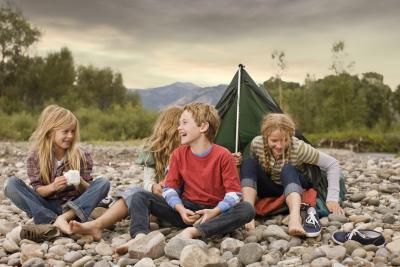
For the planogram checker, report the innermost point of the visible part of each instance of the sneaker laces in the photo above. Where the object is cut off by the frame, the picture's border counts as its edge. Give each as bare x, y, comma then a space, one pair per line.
311, 219
355, 232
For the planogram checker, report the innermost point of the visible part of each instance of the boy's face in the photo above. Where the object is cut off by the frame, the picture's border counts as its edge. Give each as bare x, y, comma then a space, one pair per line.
188, 129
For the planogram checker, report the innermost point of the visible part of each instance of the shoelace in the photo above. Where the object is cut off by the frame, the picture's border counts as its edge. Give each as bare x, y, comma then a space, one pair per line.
354, 232
312, 220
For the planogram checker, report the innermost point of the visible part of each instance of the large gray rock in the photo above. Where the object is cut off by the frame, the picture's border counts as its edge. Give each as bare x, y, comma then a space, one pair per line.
103, 249
175, 246
232, 245
394, 246
250, 253
72, 256
275, 231
29, 251
195, 256
145, 262
336, 252
150, 246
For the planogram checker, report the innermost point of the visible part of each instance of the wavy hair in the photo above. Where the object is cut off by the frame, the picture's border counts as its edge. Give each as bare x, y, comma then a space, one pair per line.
271, 123
164, 139
52, 119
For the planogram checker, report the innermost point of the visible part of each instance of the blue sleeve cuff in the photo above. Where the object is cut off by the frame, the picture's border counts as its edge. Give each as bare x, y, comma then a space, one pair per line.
172, 197
229, 201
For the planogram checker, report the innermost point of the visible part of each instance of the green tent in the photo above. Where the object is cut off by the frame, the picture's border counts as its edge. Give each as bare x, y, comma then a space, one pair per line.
241, 123
254, 102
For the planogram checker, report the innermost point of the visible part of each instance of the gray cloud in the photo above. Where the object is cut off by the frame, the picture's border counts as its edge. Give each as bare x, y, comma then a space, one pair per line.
148, 36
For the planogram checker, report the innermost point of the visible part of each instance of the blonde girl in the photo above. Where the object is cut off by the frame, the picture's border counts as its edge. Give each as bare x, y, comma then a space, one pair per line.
155, 158
54, 151
276, 167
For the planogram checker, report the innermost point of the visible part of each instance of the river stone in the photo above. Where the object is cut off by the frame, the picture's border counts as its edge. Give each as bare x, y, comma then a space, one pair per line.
388, 218
250, 253
82, 261
280, 245
321, 262
394, 246
59, 250
34, 262
145, 262
174, 247
234, 262
359, 252
231, 244
72, 256
29, 251
336, 252
103, 249
351, 245
150, 246
195, 256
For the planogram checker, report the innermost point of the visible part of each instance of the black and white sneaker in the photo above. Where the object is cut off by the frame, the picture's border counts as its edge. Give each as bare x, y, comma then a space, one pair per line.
311, 223
365, 237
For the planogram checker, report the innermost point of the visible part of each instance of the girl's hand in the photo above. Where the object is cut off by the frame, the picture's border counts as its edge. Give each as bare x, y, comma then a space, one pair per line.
334, 207
238, 158
59, 183
157, 189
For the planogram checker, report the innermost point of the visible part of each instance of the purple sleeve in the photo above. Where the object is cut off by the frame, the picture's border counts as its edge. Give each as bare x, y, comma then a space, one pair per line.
86, 172
33, 170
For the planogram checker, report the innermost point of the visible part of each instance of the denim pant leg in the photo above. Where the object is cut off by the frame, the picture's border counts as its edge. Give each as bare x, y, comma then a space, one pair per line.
24, 197
144, 203
88, 201
237, 216
128, 194
253, 175
293, 180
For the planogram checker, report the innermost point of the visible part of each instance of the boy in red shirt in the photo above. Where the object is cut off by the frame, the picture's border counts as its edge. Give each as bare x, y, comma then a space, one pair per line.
206, 173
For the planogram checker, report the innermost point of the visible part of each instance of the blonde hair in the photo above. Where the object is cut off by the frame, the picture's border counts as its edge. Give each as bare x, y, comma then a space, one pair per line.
204, 113
271, 123
51, 119
165, 139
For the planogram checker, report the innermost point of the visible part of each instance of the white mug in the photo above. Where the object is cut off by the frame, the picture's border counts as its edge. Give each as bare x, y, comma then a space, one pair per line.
73, 177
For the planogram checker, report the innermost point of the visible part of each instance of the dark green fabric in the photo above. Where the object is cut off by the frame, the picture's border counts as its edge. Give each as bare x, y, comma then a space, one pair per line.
255, 102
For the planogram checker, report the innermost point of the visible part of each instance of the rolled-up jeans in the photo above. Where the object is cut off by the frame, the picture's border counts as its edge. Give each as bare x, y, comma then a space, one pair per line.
143, 203
45, 210
253, 175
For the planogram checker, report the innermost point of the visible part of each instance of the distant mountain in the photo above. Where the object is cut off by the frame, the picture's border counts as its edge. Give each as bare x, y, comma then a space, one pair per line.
179, 94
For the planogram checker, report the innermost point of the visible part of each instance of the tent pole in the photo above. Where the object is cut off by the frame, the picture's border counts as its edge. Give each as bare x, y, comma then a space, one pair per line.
237, 109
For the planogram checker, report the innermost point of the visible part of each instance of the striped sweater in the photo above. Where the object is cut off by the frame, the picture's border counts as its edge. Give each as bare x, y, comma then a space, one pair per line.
300, 153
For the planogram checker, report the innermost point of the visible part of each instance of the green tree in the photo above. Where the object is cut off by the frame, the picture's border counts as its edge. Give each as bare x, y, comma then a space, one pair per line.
279, 59
339, 59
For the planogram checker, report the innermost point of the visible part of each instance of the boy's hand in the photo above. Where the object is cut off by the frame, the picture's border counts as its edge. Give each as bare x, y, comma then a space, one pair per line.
157, 189
208, 214
238, 158
185, 214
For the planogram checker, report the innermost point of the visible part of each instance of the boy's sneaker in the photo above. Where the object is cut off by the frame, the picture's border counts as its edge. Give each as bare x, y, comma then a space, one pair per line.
365, 237
311, 223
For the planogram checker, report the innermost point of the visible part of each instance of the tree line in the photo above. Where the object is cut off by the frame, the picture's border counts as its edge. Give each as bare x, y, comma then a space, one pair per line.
104, 106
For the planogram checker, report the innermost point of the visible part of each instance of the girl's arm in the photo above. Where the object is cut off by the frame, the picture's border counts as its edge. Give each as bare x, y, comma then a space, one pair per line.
59, 183
149, 178
332, 168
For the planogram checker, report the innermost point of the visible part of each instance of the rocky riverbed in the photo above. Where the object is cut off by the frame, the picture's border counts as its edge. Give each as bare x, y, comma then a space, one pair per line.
373, 202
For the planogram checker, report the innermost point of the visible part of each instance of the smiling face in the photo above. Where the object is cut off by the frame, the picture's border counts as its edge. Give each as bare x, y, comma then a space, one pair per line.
63, 138
188, 129
277, 143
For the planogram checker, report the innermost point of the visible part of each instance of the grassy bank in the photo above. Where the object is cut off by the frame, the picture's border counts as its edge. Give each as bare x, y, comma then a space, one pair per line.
358, 141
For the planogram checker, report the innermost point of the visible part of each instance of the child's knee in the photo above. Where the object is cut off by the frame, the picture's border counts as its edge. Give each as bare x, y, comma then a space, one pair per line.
103, 182
11, 184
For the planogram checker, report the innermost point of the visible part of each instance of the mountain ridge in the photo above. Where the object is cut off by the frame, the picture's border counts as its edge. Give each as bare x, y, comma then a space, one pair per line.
178, 94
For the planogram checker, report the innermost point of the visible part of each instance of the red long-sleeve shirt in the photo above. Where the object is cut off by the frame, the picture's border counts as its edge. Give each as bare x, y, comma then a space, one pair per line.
206, 178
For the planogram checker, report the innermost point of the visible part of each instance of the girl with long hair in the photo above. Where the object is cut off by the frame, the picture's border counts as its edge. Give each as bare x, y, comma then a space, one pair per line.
154, 157
276, 167
55, 154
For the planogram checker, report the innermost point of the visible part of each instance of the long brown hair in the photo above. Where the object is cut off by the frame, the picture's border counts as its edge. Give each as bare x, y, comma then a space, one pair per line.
271, 123
51, 119
164, 139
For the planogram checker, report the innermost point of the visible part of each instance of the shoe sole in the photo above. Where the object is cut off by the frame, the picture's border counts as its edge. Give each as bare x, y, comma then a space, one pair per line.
313, 234
341, 243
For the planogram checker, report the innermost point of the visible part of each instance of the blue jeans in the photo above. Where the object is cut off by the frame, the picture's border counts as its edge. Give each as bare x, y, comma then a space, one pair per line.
253, 175
45, 210
144, 203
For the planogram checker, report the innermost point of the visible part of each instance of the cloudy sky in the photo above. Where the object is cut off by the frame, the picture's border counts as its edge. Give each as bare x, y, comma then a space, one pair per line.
158, 42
